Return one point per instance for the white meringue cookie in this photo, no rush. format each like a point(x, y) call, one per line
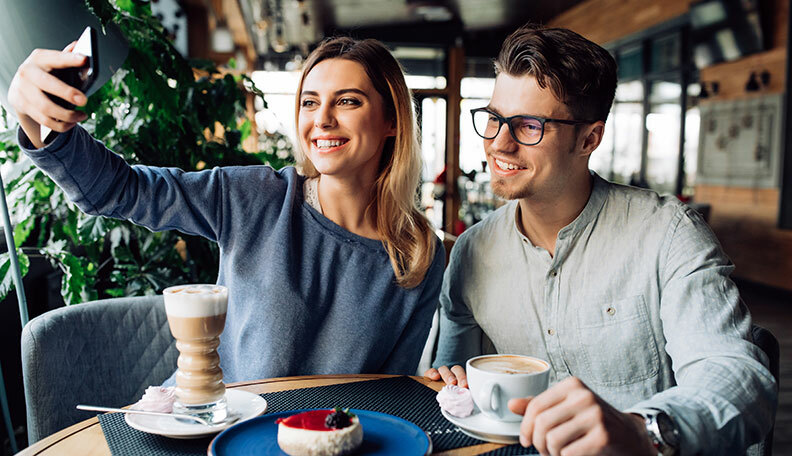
point(455, 400)
point(157, 399)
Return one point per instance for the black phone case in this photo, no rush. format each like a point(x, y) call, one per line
point(72, 76)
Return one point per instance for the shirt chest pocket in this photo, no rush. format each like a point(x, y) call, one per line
point(615, 343)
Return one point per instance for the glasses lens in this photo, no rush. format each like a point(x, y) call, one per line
point(486, 124)
point(527, 129)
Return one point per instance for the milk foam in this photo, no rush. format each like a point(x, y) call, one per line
point(193, 301)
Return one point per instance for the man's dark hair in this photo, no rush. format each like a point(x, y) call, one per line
point(579, 72)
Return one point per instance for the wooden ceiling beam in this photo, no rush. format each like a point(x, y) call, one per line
point(239, 30)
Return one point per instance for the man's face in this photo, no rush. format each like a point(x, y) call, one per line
point(542, 170)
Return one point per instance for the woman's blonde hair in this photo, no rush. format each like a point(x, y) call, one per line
point(406, 234)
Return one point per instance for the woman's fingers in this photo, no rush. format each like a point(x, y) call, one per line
point(70, 47)
point(48, 83)
point(48, 59)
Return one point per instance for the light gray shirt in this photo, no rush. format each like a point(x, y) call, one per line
point(636, 302)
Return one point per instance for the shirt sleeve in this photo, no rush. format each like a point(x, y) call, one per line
point(725, 395)
point(100, 182)
point(459, 335)
point(406, 354)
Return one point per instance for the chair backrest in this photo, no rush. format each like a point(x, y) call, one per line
point(102, 352)
point(765, 340)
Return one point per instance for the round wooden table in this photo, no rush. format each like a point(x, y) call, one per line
point(86, 438)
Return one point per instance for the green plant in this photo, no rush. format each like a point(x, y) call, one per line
point(153, 111)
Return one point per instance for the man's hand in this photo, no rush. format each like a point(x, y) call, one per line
point(569, 419)
point(454, 376)
point(26, 94)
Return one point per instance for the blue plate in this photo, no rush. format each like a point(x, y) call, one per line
point(383, 435)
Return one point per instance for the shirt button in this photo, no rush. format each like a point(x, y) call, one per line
point(553, 273)
point(551, 331)
point(611, 311)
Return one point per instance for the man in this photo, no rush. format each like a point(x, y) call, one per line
point(625, 293)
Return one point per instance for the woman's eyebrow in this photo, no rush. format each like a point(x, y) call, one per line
point(313, 93)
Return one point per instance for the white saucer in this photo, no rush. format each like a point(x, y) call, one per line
point(247, 404)
point(482, 427)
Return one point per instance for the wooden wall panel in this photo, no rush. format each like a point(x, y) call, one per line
point(745, 222)
point(732, 76)
point(603, 21)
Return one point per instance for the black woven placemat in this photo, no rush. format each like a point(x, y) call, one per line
point(398, 396)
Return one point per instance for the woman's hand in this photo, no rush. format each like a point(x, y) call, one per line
point(27, 93)
point(453, 376)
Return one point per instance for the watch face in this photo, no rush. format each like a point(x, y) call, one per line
point(668, 430)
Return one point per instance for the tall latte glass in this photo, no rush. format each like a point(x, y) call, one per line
point(196, 316)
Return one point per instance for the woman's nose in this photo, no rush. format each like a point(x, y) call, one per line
point(325, 117)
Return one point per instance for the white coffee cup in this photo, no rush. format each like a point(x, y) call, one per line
point(495, 379)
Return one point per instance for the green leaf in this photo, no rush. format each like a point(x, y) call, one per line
point(115, 292)
point(7, 276)
point(22, 231)
point(245, 129)
point(92, 229)
point(102, 9)
point(74, 281)
point(104, 125)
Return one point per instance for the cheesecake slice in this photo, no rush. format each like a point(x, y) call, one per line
point(320, 433)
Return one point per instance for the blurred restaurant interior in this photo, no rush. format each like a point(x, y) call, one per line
point(701, 112)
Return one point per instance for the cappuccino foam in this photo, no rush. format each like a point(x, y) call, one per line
point(509, 364)
point(193, 301)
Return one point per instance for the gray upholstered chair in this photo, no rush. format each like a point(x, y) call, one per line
point(102, 352)
point(765, 340)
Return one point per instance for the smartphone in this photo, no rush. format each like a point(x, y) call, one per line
point(82, 77)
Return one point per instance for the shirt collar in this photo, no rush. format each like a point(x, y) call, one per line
point(599, 193)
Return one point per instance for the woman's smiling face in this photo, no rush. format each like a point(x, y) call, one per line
point(342, 123)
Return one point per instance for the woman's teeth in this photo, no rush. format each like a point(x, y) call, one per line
point(328, 143)
point(506, 166)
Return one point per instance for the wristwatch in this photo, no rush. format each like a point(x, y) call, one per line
point(662, 431)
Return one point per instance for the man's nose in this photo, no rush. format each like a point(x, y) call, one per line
point(504, 142)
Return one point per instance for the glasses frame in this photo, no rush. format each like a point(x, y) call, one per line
point(507, 120)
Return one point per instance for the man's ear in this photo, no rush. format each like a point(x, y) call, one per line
point(591, 137)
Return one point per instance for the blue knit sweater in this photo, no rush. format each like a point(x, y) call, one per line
point(305, 295)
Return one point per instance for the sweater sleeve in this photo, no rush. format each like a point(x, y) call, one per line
point(725, 394)
point(100, 182)
point(406, 354)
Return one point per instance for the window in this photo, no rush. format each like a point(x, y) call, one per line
point(642, 144)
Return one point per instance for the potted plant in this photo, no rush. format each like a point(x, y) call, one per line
point(158, 109)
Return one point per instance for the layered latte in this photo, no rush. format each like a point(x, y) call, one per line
point(196, 315)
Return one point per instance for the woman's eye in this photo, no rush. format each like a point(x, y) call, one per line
point(349, 102)
point(307, 103)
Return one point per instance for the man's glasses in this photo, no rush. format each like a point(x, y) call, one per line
point(526, 130)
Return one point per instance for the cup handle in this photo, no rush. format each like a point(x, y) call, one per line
point(489, 398)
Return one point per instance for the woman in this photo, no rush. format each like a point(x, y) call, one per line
point(330, 271)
